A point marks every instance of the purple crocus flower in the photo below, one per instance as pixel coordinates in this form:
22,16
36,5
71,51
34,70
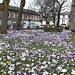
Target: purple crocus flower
47,68
53,65
21,73
18,63
62,66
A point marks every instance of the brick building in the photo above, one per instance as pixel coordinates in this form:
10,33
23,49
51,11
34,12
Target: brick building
27,15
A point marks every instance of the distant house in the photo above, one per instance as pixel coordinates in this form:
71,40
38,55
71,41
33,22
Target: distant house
27,16
64,18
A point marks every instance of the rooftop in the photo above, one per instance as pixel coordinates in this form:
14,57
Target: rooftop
13,8
65,13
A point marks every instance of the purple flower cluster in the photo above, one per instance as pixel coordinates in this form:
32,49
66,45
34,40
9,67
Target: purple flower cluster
35,52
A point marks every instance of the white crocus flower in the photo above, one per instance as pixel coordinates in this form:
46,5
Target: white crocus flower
34,67
72,60
42,56
0,58
0,51
64,70
54,74
11,67
32,63
49,63
42,67
32,70
23,59
13,59
10,72
54,45
8,57
44,62
46,65
54,61
59,67
27,65
46,42
45,73
34,74
62,74
73,72
4,64
32,59
53,55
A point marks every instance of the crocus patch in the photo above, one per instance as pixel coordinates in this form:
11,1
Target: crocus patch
35,52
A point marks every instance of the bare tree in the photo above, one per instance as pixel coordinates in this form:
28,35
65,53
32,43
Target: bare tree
54,12
45,8
59,5
50,9
18,24
5,4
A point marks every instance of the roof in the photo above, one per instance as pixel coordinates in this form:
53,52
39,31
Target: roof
65,13
24,10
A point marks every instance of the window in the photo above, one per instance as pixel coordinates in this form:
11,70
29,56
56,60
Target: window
17,15
37,17
63,16
9,14
30,17
63,21
66,16
26,16
13,15
22,16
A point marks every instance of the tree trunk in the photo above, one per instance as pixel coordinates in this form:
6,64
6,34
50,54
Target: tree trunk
47,23
73,36
18,24
58,21
4,16
59,11
72,20
54,16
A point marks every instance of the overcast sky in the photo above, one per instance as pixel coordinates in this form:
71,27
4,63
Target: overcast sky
16,2
28,2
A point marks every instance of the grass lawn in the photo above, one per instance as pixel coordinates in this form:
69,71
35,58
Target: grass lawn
35,52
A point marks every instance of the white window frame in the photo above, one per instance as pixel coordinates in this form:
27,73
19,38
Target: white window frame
22,16
13,15
9,14
26,16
